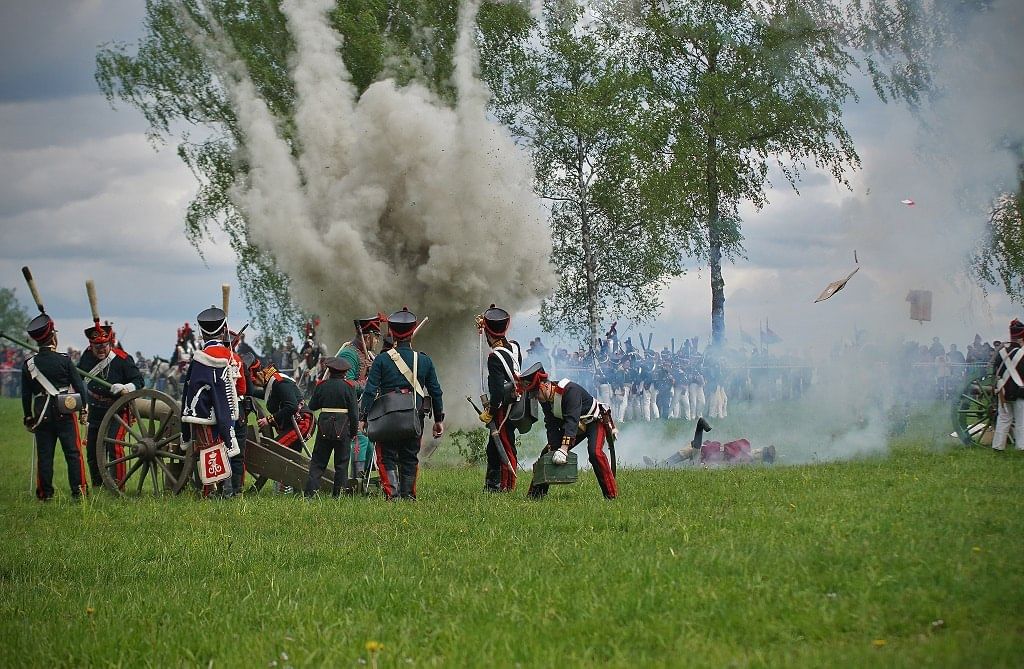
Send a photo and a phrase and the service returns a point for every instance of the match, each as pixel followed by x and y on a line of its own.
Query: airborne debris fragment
pixel 909 203
pixel 835 287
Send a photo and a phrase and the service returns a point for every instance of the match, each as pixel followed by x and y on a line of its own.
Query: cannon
pixel 974 410
pixel 141 451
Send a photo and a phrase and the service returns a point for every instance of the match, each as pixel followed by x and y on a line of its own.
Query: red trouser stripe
pixel 39 476
pixel 508 472
pixel 290 438
pixel 82 487
pixel 603 469
pixel 386 484
pixel 120 470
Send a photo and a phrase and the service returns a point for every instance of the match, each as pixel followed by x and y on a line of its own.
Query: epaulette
pixel 350 383
pixel 121 353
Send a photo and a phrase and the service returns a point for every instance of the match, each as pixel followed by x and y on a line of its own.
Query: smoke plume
pixel 391 198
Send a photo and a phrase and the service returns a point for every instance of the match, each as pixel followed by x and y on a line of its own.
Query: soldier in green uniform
pixel 106 361
pixel 336 400
pixel 45 377
pixel 359 352
pixel 398 460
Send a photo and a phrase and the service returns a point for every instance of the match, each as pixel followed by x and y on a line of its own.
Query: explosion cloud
pixel 391 198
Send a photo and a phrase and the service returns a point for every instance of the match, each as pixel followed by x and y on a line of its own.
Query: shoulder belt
pixel 403 368
pixel 1010 368
pixel 102 364
pixel 34 372
pixel 508 359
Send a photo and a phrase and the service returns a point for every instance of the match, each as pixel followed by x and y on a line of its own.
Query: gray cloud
pixel 48 47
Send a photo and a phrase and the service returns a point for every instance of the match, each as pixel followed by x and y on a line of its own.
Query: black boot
pixel 408 485
pixel 392 476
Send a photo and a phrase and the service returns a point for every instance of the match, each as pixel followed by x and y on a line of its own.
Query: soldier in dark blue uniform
pixel 571 415
pixel 398 461
pixel 335 398
pixel 113 364
pixel 44 377
pixel 503 366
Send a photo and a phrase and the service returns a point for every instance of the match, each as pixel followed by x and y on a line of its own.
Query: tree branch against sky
pixel 568 93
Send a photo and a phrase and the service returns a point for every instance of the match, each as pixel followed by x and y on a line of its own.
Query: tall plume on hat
pixel 97 333
pixel 42 326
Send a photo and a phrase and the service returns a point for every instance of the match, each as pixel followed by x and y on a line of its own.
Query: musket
pixel 30 347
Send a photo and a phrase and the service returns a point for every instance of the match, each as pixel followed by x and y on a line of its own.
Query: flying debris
pixel 835 286
pixel 920 305
pixel 909 203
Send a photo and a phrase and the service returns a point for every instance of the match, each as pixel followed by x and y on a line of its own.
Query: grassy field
pixel 911 558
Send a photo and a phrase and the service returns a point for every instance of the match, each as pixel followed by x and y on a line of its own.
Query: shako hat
pixel 100 334
pixel 1016 329
pixel 338 365
pixel 531 379
pixel 370 325
pixel 40 328
pixel 211 321
pixel 401 324
pixel 495 321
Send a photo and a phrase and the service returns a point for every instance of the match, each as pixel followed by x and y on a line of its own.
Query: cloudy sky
pixel 85 194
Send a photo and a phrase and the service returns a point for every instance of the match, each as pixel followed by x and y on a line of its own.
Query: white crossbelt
pixel 328 410
pixel 1010 368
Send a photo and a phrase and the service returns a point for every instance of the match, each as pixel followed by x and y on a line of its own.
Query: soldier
pixel 46 377
pixel 102 359
pixel 1010 389
pixel 336 400
pixel 359 352
pixel 288 414
pixel 713 453
pixel 503 366
pixel 210 405
pixel 571 415
pixel 398 461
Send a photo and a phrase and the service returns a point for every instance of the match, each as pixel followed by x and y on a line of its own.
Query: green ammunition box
pixel 545 471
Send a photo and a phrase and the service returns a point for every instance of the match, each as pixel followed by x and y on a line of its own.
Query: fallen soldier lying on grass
pixel 714 452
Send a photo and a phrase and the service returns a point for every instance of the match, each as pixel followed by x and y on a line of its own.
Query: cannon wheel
pixel 141 448
pixel 974 411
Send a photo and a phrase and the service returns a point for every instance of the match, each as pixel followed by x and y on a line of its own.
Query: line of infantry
pixel 371 406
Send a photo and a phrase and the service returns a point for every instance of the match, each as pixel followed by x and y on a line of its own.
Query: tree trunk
pixel 713 194
pixel 588 249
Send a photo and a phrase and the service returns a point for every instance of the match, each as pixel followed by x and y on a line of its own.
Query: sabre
pixel 417 328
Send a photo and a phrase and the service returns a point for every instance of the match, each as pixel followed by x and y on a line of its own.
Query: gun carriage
pixel 974 409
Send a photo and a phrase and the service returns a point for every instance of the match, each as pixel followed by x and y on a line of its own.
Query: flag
pixel 769 336
pixel 746 338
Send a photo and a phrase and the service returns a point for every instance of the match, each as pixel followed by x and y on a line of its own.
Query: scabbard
pixel 495 437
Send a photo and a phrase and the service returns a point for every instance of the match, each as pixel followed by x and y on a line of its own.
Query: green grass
pixel 839 564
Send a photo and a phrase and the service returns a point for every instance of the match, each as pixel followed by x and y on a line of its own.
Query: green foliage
pixel 735 87
pixel 13 316
pixel 999 258
pixel 569 92
pixel 786 566
pixel 471 445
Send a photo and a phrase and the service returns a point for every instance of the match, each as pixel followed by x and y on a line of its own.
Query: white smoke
pixel 394 199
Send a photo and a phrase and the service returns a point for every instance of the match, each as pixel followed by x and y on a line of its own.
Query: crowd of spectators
pixel 646 382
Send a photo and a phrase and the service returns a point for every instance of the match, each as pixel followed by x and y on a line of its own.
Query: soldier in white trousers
pixel 1010 390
